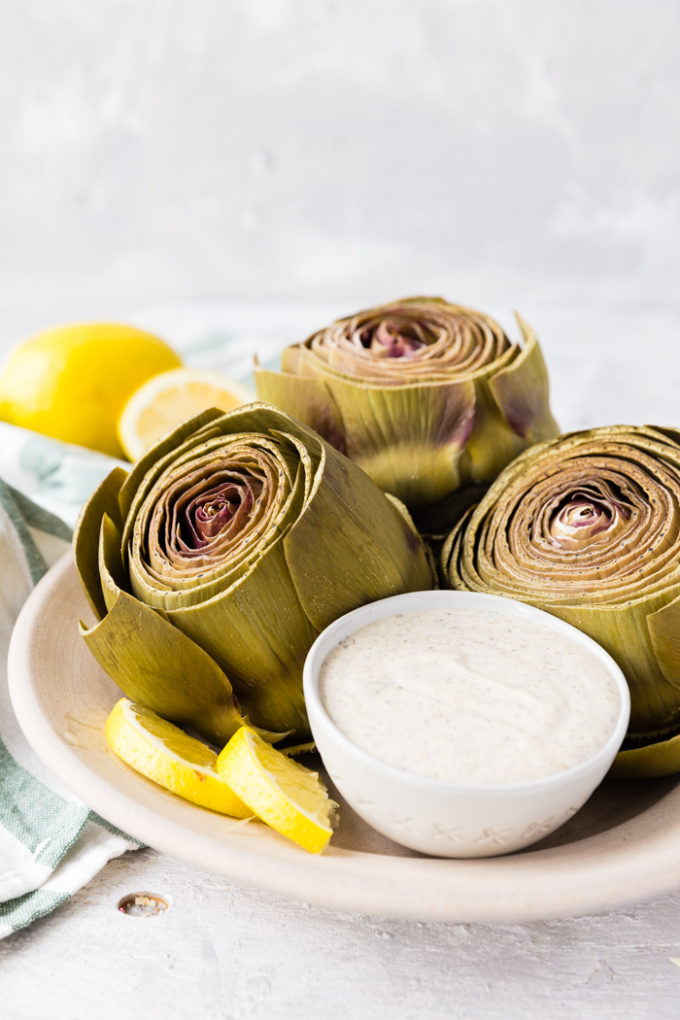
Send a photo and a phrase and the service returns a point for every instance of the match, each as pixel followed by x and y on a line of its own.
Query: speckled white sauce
pixel 469 696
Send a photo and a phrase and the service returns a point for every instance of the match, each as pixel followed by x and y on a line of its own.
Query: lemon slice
pixel 168 399
pixel 284 794
pixel 164 753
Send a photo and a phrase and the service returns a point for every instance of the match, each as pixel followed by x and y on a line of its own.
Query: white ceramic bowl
pixel 441 818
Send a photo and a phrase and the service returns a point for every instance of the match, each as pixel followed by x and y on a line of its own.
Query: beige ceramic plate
pixel 623 846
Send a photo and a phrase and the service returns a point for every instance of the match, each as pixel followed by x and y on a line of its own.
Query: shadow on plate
pixel 616 802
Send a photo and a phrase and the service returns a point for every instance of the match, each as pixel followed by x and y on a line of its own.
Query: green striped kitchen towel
pixel 50 843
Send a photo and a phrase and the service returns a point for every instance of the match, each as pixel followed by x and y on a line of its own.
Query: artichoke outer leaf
pixel 86 539
pixel 662 758
pixel 267 638
pixel 111 570
pixel 623 631
pixel 449 567
pixel 664 632
pixel 154 663
pixel 332 554
pixel 410 438
pixel 308 397
pixel 667 431
pixel 522 388
pixel 492 443
pixel 261 417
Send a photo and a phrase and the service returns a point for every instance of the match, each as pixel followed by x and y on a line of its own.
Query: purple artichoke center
pixel 207 515
pixel 584 514
pixel 393 339
pixel 211 517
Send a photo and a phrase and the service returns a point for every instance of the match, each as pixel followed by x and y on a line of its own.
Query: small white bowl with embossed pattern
pixel 443 818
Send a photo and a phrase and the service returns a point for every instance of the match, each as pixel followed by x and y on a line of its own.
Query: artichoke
pixel 425 396
pixel 587 527
pixel 213 565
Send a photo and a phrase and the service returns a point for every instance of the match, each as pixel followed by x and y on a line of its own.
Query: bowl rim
pixel 418 600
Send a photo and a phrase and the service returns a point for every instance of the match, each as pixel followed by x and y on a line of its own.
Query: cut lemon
pixel 168 399
pixel 164 753
pixel 72 382
pixel 284 794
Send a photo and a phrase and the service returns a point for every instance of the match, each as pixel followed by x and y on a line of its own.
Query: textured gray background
pixel 508 153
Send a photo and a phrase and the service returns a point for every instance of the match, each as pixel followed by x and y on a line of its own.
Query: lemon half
pixel 163 752
pixel 284 794
pixel 168 399
pixel 71 382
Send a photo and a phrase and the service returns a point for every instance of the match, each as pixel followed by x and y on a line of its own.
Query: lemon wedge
pixel 71 382
pixel 162 751
pixel 171 397
pixel 284 794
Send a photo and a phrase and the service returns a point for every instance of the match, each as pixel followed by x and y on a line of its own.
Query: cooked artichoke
pixel 587 527
pixel 425 396
pixel 214 564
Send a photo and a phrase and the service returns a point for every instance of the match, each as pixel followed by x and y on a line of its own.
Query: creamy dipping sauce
pixel 469 696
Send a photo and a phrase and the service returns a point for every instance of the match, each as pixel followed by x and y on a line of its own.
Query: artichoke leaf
pixel 522 390
pixel 340 515
pixel 258 632
pixel 623 632
pixel 492 444
pixel 670 433
pixel 154 663
pixel 660 758
pixel 664 632
pixel 408 438
pixel 110 562
pixel 309 395
pixel 103 501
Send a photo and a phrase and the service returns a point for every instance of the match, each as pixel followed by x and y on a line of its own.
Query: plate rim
pixel 418 888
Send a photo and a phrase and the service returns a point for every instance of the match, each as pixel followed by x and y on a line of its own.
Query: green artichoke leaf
pixel 103 501
pixel 154 663
pixel 492 444
pixel 259 633
pixel 623 631
pixel 341 514
pixel 309 395
pixel 410 431
pixel 660 758
pixel 111 572
pixel 664 633
pixel 522 390
pixel 670 433
pixel 408 438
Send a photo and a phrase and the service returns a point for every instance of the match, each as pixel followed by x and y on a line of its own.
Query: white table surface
pixel 225 951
